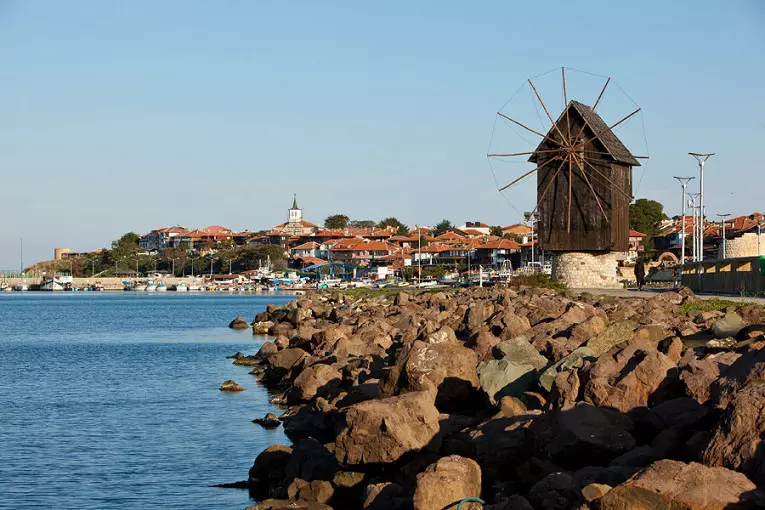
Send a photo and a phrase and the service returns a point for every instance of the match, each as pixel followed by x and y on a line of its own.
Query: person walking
pixel 640 273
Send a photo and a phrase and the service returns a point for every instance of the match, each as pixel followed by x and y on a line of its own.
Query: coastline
pixel 519 397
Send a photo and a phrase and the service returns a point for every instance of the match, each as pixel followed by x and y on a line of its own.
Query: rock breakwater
pixel 525 399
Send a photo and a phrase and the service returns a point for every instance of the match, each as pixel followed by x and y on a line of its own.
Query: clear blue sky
pixel 118 116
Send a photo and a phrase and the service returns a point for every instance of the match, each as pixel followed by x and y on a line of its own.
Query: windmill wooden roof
pixel 600 129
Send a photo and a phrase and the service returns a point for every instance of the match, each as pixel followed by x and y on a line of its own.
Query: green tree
pixel 496 230
pixel 646 216
pixel 401 229
pixel 361 224
pixel 441 227
pixel 336 221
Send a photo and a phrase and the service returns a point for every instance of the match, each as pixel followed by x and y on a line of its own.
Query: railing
pixel 745 275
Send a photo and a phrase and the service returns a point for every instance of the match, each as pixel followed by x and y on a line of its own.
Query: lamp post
pixel 695 231
pixel 722 219
pixel 683 182
pixel 701 158
pixel 192 267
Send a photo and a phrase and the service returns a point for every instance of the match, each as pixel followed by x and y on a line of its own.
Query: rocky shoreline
pixel 512 399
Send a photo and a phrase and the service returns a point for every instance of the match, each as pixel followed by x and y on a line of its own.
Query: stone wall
pixel 583 270
pixel 744 246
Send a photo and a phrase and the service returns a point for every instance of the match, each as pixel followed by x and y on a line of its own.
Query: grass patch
pixel 539 280
pixel 707 305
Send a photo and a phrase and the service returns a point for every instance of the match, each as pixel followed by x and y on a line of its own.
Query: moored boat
pixel 181 287
pixel 161 287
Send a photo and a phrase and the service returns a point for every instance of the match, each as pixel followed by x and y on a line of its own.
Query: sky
pixel 129 116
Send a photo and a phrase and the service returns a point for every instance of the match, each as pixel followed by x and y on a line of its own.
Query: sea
pixel 111 400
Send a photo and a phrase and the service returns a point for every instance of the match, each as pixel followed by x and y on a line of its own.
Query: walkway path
pixel 647 293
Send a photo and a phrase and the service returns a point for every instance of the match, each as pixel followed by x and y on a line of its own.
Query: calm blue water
pixel 110 400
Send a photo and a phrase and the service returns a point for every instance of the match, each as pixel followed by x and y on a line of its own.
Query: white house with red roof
pixel 161 238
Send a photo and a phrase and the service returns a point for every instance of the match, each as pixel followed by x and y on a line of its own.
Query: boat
pixel 194 287
pixel 150 286
pixel 21 287
pixel 161 287
pixel 181 287
pixel 97 287
pixel 4 287
pixel 56 283
pixel 138 287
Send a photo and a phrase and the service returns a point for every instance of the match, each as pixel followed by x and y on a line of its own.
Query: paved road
pixel 647 293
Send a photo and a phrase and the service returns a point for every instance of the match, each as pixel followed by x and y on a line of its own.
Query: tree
pixel 336 221
pixel 401 229
pixel 496 230
pixel 125 247
pixel 361 224
pixel 646 216
pixel 441 227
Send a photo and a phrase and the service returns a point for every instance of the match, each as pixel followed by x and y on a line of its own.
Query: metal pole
pixel 722 218
pixel 759 228
pixel 701 158
pixel 683 181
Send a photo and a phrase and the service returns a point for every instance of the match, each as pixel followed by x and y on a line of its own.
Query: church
pixel 295 225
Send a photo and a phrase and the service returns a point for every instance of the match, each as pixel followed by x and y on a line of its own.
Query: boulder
pixel 729 325
pixel 379 431
pixel 671 484
pixel 699 375
pixel 614 334
pixel 595 491
pixel 565 390
pixel 269 465
pixel 315 380
pixel 514 325
pixel 586 330
pixel 626 377
pixel 269 421
pixel 384 496
pixel 478 314
pixel 447 482
pixel 574 360
pixel 738 441
pixel 448 368
pixel 230 386
pixel 443 335
pixel 266 350
pixel 239 323
pixel 262 327
pixel 280 363
pixel 483 343
pixel 500 378
pixel 319 491
pixel 518 350
pixel 582 435
pixel 310 460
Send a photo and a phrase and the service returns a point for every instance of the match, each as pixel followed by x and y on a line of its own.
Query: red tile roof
pixel 502 244
pixel 635 233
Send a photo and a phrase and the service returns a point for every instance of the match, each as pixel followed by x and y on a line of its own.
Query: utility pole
pixel 701 158
pixel 683 182
pixel 695 235
pixel 722 218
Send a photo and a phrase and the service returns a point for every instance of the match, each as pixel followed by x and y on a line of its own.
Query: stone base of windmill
pixel 586 270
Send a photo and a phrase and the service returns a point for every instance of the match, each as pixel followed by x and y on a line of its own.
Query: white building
pixel 160 238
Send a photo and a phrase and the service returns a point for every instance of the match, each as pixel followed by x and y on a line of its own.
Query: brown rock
pixel 700 374
pixel 614 334
pixel 262 327
pixel 671 484
pixel 514 325
pixel 384 430
pixel 239 323
pixel 565 390
pixel 382 496
pixel 319 491
pixel 595 491
pixel 511 406
pixel 268 467
pixel 446 483
pixel 286 504
pixel 738 441
pixel 313 380
pixel 230 386
pixel 586 330
pixel 281 362
pixel 626 377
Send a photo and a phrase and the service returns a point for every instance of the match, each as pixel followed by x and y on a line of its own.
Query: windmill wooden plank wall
pixel 591 213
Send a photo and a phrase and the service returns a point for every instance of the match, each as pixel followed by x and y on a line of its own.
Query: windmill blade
pixel 527 174
pixel 594 193
pixel 542 196
pixel 601 94
pixel 624 119
pixel 547 112
pixel 521 153
pixel 569 194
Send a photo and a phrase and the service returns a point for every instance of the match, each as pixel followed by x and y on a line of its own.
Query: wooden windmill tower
pixel 584 180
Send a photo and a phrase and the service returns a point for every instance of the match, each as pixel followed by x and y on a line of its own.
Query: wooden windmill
pixel 584 179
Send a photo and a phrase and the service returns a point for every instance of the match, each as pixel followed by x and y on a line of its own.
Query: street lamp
pixel 192 267
pixel 701 158
pixel 722 219
pixel 683 182
pixel 693 198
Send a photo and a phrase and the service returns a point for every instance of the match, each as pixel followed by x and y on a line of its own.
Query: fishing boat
pixel 181 287
pixel 139 287
pixel 4 287
pixel 56 283
pixel 161 287
pixel 194 287
pixel 150 286
pixel 97 287
pixel 21 287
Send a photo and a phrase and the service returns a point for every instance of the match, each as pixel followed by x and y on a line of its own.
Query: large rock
pixel 262 327
pixel 239 323
pixel 380 431
pixel 514 325
pixel 447 482
pixel 614 334
pixel 447 368
pixel 478 314
pixel 280 363
pixel 314 380
pixel 230 386
pixel 729 325
pixel 269 465
pixel 514 373
pixel 675 485
pixel 626 377
pixel 574 360
pixel 582 435
pixel 319 491
pixel 739 439
pixel 520 351
pixel 699 375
